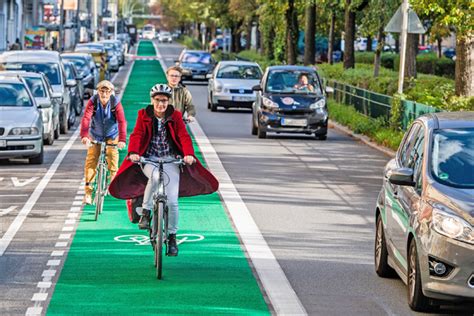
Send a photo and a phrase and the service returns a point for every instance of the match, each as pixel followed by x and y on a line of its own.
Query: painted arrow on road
pixel 20 183
pixel 5 211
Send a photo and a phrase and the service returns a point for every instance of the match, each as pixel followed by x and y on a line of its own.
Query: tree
pixel 291 33
pixel 459 15
pixel 351 7
pixel 310 33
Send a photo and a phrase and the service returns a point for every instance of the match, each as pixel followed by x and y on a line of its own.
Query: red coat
pixel 130 181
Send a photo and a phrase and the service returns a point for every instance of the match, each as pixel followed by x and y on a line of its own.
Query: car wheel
pixel 50 139
pixel 209 100
pixel 72 118
pixel 416 299
pixel 56 132
pixel 254 128
pixel 78 107
pixel 37 160
pixel 381 252
pixel 321 136
pixel 260 132
pixel 64 126
pixel 213 107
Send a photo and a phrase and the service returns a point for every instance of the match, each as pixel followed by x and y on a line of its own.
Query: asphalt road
pixel 313 201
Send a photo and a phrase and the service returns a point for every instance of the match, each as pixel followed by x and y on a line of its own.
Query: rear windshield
pixel 14 95
pixel 202 58
pixel 36 87
pixel 452 159
pixel 51 70
pixel 78 62
pixel 239 72
pixel 288 81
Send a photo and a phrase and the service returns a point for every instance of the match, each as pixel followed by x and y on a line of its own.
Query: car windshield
pixel 287 81
pixel 78 62
pixel 239 72
pixel 14 94
pixel 36 87
pixel 69 71
pixel 452 161
pixel 51 70
pixel 197 58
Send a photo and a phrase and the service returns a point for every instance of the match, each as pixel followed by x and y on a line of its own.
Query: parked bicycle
pixel 159 224
pixel 100 184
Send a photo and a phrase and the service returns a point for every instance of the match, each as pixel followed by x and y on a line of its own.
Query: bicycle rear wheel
pixel 159 240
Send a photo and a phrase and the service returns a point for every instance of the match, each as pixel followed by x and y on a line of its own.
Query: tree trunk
pixel 235 29
pixel 331 36
pixel 369 43
pixel 378 52
pixel 310 32
pixel 291 33
pixel 269 45
pixel 464 73
pixel 258 38
pixel 349 36
pixel 397 44
pixel 410 60
pixel 439 41
pixel 249 34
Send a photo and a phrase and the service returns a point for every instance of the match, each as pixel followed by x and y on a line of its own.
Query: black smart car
pixel 290 99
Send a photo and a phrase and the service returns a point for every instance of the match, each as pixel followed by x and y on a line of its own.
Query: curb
pixel 366 140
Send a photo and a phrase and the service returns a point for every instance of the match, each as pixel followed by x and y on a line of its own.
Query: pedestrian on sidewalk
pixel 103 120
pixel 160 133
pixel 181 98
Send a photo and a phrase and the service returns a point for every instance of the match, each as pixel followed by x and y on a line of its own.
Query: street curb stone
pixel 366 140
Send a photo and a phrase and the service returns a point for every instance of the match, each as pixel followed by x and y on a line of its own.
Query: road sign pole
pixel 403 43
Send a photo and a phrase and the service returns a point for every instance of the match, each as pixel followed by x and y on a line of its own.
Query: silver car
pixel 230 84
pixel 425 211
pixel 43 93
pixel 21 124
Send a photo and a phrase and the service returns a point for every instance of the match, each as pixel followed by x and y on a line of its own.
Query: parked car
pixel 196 64
pixel 76 89
pixel 230 84
pixel 117 48
pixel 285 105
pixel 21 124
pixel 165 37
pixel 425 211
pixel 43 93
pixel 86 68
pixel 49 63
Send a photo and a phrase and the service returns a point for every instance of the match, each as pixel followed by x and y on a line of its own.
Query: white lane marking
pixel 77 203
pixel 61 244
pixel 114 77
pixel 57 253
pixel 73 215
pixel 48 273
pixel 20 183
pixel 5 211
pixel 70 221
pixel 78 197
pixel 64 236
pixel 39 297
pixel 32 311
pixel 53 262
pixel 20 218
pixel 1 179
pixel 12 195
pixel 280 293
pixel 68 229
pixel 75 209
pixel 43 284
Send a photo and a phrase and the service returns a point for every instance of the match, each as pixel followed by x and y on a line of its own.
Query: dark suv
pixel 290 99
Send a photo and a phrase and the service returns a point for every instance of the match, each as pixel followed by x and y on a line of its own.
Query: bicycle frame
pixel 100 186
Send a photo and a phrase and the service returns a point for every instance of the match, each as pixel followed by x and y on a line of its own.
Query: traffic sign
pixel 414 24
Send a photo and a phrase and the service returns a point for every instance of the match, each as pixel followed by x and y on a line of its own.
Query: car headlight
pixel 318 105
pixel 17 131
pixel 219 86
pixel 452 226
pixel 269 103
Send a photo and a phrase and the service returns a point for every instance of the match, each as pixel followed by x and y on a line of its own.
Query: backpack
pixel 113 103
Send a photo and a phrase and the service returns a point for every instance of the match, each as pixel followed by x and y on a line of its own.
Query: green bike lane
pixel 109 272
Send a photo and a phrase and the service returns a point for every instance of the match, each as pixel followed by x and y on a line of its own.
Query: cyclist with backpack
pixel 103 120
pixel 160 133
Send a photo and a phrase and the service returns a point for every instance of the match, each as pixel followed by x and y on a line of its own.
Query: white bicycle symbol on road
pixel 141 240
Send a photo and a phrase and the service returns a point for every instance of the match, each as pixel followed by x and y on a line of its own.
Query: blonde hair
pixel 105 84
pixel 177 68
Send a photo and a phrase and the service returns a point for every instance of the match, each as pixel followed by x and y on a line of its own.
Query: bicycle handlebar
pixel 143 160
pixel 106 145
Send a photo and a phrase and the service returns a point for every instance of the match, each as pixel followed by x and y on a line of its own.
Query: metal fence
pixel 376 105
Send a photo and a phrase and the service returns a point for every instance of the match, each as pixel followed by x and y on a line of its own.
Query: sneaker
pixel 172 245
pixel 87 199
pixel 144 222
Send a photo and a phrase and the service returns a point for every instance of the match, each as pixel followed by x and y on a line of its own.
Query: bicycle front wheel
pixel 159 240
pixel 99 197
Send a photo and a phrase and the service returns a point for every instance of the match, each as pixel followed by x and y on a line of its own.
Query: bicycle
pixel 159 225
pixel 101 180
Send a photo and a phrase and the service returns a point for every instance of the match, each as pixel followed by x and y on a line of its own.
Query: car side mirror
pixel 401 176
pixel 71 83
pixel 257 88
pixel 44 105
pixel 329 89
pixel 209 76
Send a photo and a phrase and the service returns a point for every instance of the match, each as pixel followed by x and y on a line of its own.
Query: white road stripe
pixel 73 215
pixel 53 262
pixel 64 236
pixel 70 221
pixel 282 296
pixel 43 284
pixel 68 229
pixel 75 209
pixel 39 297
pixel 57 253
pixel 61 244
pixel 48 273
pixel 34 311
pixel 77 203
pixel 20 218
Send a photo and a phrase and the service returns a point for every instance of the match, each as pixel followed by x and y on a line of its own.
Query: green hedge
pixel 189 42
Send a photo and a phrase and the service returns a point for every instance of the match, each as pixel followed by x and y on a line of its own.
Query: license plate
pixel 242 99
pixel 293 122
pixel 3 143
pixel 199 76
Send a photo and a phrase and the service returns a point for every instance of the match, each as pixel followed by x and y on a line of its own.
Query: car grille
pixel 294 112
pixel 241 91
pixel 17 147
pixel 199 72
pixel 2 130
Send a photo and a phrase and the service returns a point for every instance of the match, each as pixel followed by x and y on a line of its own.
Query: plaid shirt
pixel 159 146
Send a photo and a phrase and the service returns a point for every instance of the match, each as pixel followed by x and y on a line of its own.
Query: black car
pixel 290 99
pixel 196 64
pixel 74 83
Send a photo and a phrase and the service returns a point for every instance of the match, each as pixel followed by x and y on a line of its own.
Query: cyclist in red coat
pixel 159 133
